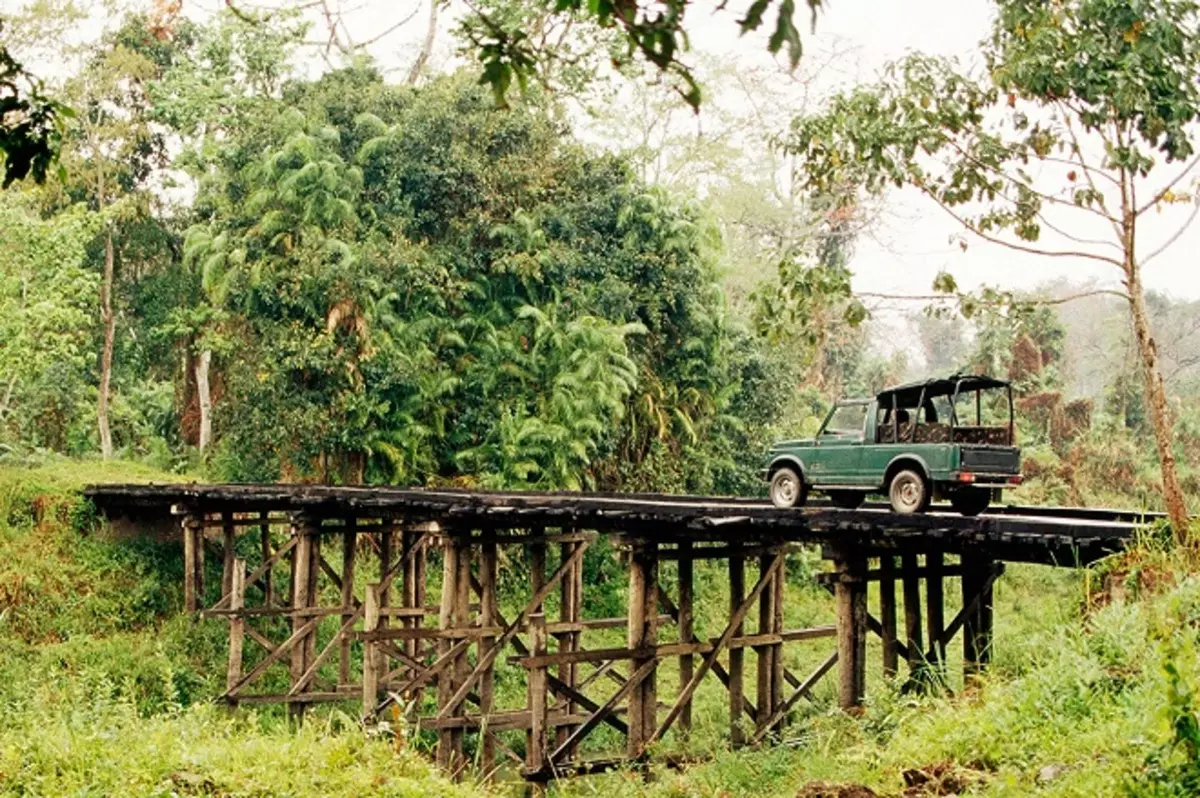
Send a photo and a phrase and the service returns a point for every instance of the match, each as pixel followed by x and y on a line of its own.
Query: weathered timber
pixel 480 533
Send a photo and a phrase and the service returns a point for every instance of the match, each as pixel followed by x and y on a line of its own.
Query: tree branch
pixel 1014 246
pixel 1157 197
pixel 1174 236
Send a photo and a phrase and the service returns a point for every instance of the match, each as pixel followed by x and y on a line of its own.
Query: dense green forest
pixel 250 263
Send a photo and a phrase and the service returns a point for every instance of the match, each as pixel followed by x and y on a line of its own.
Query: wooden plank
pixel 535 697
pixel 765 652
pixel 487 680
pixel 779 585
pixel 735 622
pixel 570 596
pixel 851 599
pixel 935 609
pixel 237 624
pixel 370 677
pixel 802 689
pixel 268 584
pixel 887 614
pixel 912 614
pixel 228 552
pixel 603 712
pixel 487 659
pixel 269 660
pixel 737 704
pixel 571 694
pixel 349 546
pixel 190 601
pixel 302 562
pixel 445 684
pixel 686 624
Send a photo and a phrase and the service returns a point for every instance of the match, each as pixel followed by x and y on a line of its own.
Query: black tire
pixel 847 499
pixel 788 489
pixel 908 492
pixel 970 501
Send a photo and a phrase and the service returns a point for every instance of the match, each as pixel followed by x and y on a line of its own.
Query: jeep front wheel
pixel 908 492
pixel 788 489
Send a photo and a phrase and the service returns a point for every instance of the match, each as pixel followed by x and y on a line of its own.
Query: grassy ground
pixel 104 688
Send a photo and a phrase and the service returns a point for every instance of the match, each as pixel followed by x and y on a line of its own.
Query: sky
pixel 913 240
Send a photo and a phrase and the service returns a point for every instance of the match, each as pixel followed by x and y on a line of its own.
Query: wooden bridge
pixel 327 595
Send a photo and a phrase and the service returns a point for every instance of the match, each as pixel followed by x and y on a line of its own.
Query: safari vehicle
pixel 914 443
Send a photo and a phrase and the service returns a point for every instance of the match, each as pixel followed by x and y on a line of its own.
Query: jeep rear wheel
pixel 788 489
pixel 908 492
pixel 847 499
pixel 970 501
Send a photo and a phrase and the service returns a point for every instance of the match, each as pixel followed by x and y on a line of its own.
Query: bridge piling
pixel 580 672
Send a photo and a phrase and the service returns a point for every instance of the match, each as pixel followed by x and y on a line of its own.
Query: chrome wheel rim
pixel 784 490
pixel 907 493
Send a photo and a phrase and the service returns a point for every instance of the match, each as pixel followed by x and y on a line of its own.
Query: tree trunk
pixel 110 323
pixel 1156 396
pixel 426 46
pixel 204 398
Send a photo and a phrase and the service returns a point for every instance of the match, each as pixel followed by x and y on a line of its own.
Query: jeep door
pixel 837 454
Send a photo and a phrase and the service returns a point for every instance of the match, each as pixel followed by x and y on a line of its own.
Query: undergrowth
pixel 105 688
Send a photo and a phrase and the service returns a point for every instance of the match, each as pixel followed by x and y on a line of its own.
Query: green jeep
pixel 913 443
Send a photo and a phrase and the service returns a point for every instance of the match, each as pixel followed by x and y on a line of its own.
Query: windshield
pixel 847 420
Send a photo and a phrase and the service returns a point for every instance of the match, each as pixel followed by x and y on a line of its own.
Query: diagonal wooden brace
pixel 489 657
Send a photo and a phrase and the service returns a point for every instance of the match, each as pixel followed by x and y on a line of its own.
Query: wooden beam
pixel 802 689
pixel 686 621
pixel 935 612
pixel 302 562
pixel 237 625
pixel 735 622
pixel 603 712
pixel 887 613
pixel 912 614
pixel 535 696
pixel 488 658
pixel 370 677
pixel 349 551
pixel 852 629
pixel 737 681
pixel 487 616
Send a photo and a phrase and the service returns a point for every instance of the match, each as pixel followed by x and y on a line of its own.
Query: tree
pixel 30 122
pixel 1099 94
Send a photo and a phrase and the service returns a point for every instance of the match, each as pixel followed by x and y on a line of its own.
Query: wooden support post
pixel 237 626
pixel 302 564
pixel 462 664
pixel 314 574
pixel 349 546
pixel 779 585
pixel 887 613
pixel 851 595
pixel 228 552
pixel 643 632
pixel 408 591
pixel 268 580
pixel 488 613
pixel 685 622
pixel 446 617
pixel 977 628
pixel 912 616
pixel 386 556
pixel 737 702
pixel 371 657
pixel 765 653
pixel 535 697
pixel 935 609
pixel 193 529
pixel 570 596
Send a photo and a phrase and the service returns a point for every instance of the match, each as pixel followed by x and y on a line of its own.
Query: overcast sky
pixel 914 239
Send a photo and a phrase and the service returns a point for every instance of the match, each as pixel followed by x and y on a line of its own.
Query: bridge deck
pixel 1057 536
